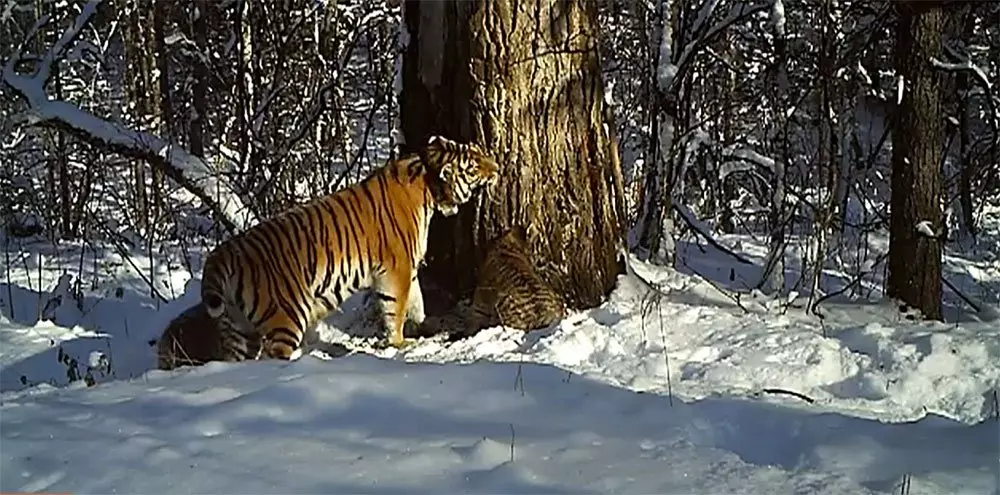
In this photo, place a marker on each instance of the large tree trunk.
(522, 79)
(915, 258)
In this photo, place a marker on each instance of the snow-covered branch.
(738, 13)
(966, 65)
(190, 171)
(749, 155)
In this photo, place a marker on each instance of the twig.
(10, 286)
(128, 257)
(519, 379)
(666, 355)
(734, 296)
(957, 292)
(780, 391)
(711, 240)
(847, 287)
(512, 439)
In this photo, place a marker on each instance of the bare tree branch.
(188, 170)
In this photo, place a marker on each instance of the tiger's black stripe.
(286, 273)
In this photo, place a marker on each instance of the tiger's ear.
(439, 142)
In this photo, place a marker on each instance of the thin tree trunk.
(139, 70)
(827, 164)
(773, 279)
(160, 14)
(655, 220)
(62, 163)
(966, 114)
(522, 79)
(196, 132)
(915, 258)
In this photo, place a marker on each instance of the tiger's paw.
(398, 345)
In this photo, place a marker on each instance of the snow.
(365, 425)
(763, 399)
(778, 17)
(965, 65)
(744, 153)
(116, 136)
(900, 87)
(925, 228)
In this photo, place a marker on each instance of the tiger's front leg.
(395, 294)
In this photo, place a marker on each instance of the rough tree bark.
(917, 138)
(522, 79)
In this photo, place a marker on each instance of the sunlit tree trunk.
(522, 79)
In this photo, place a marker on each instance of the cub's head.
(458, 170)
(513, 239)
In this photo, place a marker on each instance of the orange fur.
(289, 272)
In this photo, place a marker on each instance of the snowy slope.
(693, 394)
(363, 425)
(695, 344)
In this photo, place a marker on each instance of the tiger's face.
(461, 170)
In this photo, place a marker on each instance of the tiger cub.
(509, 290)
(193, 338)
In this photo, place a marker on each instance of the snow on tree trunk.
(189, 171)
(914, 257)
(829, 186)
(773, 280)
(655, 222)
(522, 79)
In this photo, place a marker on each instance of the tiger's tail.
(214, 286)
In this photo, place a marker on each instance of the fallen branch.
(972, 304)
(189, 171)
(686, 215)
(781, 391)
(855, 281)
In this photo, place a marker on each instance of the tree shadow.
(462, 418)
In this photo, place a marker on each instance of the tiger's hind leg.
(282, 340)
(393, 290)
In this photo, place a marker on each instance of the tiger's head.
(458, 170)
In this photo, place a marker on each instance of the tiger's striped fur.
(509, 289)
(194, 338)
(287, 273)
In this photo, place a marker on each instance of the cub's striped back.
(510, 291)
(287, 273)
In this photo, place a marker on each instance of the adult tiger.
(288, 272)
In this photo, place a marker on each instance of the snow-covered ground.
(685, 393)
